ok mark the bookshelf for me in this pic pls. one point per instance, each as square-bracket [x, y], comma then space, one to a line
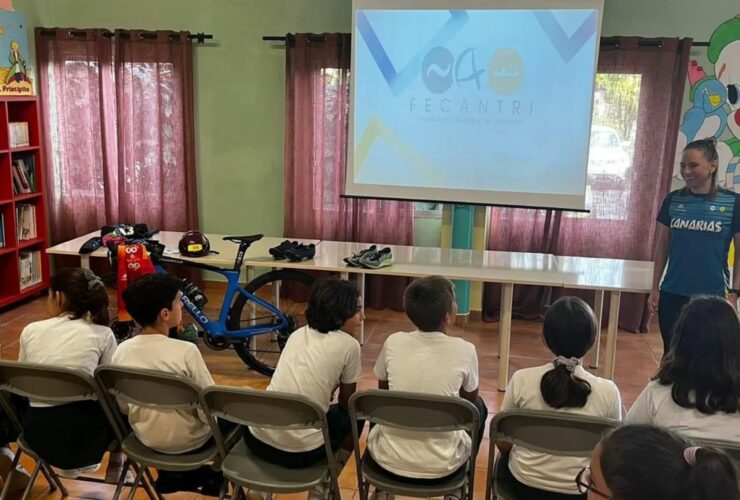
[24, 265]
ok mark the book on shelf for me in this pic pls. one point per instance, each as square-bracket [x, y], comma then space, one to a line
[24, 176]
[2, 230]
[30, 268]
[19, 137]
[25, 218]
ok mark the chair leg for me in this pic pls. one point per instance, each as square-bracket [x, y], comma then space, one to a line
[13, 465]
[54, 480]
[237, 492]
[334, 487]
[122, 479]
[53, 486]
[149, 485]
[134, 487]
[34, 475]
[224, 490]
[364, 489]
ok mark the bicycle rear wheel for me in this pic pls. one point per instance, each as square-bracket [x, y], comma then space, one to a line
[262, 352]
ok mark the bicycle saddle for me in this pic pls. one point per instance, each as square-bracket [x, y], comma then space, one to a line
[244, 239]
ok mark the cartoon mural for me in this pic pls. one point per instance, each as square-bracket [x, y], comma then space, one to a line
[15, 78]
[715, 102]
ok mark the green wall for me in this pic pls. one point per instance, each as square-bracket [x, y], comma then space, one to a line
[239, 81]
[679, 18]
[238, 88]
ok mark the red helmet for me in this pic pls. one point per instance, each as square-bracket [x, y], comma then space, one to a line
[194, 244]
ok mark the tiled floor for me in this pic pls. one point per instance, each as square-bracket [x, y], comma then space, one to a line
[637, 359]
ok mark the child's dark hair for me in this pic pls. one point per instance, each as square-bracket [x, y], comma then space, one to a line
[146, 297]
[569, 331]
[703, 363]
[427, 300]
[331, 302]
[642, 462]
[708, 148]
[84, 294]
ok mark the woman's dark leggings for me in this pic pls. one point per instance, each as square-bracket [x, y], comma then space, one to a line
[669, 308]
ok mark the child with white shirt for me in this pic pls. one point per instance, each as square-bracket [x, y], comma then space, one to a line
[316, 360]
[427, 361]
[562, 385]
[697, 389]
[73, 436]
[154, 302]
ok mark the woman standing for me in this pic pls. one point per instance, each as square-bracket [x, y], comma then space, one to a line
[696, 226]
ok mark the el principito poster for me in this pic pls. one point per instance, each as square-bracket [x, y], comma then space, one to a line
[15, 70]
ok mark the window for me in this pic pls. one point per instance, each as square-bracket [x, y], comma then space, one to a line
[614, 122]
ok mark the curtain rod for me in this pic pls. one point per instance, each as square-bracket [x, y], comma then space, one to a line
[604, 40]
[200, 37]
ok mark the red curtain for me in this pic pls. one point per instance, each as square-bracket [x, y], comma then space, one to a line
[316, 128]
[622, 220]
[119, 132]
[78, 96]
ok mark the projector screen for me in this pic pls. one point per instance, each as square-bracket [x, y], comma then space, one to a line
[488, 102]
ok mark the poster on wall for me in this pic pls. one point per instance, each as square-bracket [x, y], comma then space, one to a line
[15, 70]
[714, 107]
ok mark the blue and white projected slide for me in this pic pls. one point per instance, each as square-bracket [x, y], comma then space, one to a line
[488, 104]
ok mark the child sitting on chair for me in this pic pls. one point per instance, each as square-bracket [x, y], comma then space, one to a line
[427, 361]
[563, 385]
[74, 436]
[316, 359]
[154, 302]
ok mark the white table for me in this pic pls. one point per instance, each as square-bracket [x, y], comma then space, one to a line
[614, 275]
[506, 268]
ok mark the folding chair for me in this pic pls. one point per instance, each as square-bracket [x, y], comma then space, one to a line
[555, 433]
[271, 410]
[51, 385]
[732, 448]
[161, 391]
[416, 412]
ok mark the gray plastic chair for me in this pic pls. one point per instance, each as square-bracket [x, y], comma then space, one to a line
[52, 385]
[270, 410]
[416, 412]
[556, 433]
[731, 448]
[161, 391]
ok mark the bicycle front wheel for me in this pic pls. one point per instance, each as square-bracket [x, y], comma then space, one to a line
[262, 352]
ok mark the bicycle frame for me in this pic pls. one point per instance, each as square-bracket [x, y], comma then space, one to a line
[218, 328]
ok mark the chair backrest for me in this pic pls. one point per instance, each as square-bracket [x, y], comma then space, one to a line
[47, 384]
[556, 433]
[415, 411]
[268, 409]
[732, 449]
[149, 388]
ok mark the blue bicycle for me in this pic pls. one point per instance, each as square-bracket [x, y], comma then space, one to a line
[253, 319]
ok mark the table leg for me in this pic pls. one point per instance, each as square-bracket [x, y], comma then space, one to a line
[507, 299]
[85, 261]
[361, 285]
[599, 312]
[611, 338]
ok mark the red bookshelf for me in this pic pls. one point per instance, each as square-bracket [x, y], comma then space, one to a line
[16, 207]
